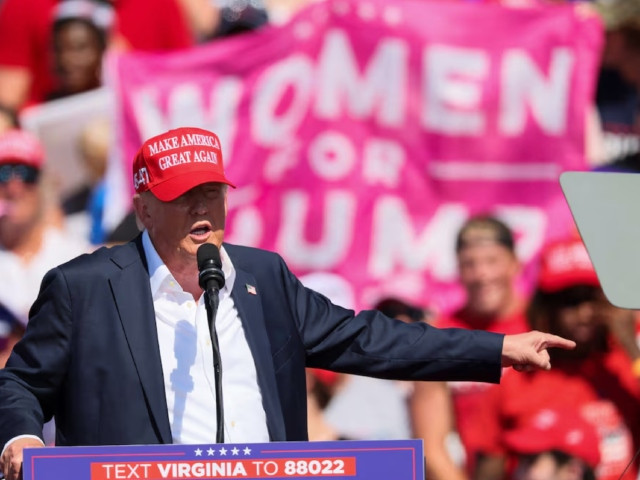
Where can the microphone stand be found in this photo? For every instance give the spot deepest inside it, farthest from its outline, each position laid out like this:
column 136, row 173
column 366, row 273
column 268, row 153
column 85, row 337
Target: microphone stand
column 211, row 303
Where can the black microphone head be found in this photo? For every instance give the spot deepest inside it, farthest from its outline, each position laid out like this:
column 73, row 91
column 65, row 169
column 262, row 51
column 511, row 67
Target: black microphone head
column 207, row 252
column 209, row 267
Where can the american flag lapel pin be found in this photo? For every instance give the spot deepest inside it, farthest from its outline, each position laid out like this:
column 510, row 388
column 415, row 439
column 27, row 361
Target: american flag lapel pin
column 251, row 289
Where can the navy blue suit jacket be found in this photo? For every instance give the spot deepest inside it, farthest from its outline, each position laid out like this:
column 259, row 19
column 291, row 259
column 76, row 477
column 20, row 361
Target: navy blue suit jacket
column 90, row 354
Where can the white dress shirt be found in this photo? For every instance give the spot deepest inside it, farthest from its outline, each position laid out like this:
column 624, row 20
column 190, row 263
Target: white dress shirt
column 20, row 281
column 187, row 360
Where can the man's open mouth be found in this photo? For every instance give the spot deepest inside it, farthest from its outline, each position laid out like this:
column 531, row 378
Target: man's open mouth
column 201, row 230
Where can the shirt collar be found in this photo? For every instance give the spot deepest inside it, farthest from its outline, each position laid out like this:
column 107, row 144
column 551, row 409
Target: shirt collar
column 159, row 272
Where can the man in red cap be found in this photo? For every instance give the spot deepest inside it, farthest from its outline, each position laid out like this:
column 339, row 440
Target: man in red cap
column 555, row 445
column 31, row 240
column 129, row 324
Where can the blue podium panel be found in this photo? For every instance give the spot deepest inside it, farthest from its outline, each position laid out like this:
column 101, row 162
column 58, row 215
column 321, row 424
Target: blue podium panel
column 353, row 460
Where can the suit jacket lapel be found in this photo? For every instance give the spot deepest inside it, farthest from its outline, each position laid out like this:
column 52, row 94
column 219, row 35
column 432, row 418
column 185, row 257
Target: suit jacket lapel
column 250, row 312
column 132, row 294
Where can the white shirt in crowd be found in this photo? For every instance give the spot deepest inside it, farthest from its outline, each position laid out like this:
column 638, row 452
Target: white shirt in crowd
column 20, row 281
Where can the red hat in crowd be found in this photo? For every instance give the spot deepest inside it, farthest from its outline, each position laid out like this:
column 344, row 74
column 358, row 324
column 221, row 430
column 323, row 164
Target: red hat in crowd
column 326, row 377
column 565, row 264
column 566, row 431
column 19, row 146
column 174, row 162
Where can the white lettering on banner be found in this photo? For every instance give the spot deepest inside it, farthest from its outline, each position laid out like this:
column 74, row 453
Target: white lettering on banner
column 337, row 224
column 269, row 125
column 187, row 105
column 383, row 85
column 396, row 244
column 332, row 156
column 222, row 115
column 453, row 78
column 523, row 85
column 281, row 161
column 474, row 171
column 150, row 116
column 383, row 161
column 248, row 227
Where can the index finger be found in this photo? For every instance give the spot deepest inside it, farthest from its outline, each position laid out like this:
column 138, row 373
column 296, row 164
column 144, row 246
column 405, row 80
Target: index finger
column 558, row 342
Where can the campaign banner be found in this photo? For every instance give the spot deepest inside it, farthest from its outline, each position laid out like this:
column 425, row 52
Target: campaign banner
column 353, row 460
column 362, row 134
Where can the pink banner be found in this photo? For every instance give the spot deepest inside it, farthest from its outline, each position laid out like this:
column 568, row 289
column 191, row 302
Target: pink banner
column 363, row 133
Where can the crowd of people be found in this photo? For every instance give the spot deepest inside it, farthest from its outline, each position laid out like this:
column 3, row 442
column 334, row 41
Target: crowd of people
column 579, row 420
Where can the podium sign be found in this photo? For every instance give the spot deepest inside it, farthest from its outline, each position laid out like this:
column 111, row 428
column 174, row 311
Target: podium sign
column 353, row 460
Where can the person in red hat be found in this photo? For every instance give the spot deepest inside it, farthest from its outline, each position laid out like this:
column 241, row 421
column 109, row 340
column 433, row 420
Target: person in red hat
column 595, row 379
column 555, row 445
column 31, row 240
column 130, row 324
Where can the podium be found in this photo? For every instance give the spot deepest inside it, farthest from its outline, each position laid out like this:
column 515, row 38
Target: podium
column 353, row 460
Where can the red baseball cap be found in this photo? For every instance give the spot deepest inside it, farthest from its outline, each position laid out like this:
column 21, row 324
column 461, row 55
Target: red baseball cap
column 563, row 430
column 564, row 264
column 174, row 162
column 19, row 146
column 326, row 377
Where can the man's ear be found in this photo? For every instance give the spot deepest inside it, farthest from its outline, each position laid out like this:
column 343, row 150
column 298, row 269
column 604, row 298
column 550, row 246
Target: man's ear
column 141, row 209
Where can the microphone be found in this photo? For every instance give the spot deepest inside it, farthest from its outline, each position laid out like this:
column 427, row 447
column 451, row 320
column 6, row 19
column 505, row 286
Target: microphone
column 211, row 280
column 210, row 276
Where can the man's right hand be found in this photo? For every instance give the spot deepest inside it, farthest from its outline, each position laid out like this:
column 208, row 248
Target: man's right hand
column 11, row 460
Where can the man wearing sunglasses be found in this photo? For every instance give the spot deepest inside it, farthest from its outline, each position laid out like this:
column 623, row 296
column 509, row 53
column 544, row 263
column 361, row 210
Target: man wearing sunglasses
column 31, row 236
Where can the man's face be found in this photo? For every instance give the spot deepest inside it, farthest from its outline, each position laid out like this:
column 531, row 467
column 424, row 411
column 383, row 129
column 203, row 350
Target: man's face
column 488, row 271
column 581, row 314
column 20, row 203
column 179, row 227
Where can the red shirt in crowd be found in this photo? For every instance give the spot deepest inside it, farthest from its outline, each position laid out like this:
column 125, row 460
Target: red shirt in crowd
column 468, row 397
column 25, row 34
column 600, row 388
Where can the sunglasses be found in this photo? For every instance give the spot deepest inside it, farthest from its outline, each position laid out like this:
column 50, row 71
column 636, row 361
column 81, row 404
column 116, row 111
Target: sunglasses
column 25, row 173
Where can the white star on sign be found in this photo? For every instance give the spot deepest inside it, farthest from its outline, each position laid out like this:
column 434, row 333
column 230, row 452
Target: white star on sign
column 198, row 452
column 247, row 450
column 211, row 452
column 223, row 451
column 234, row 451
